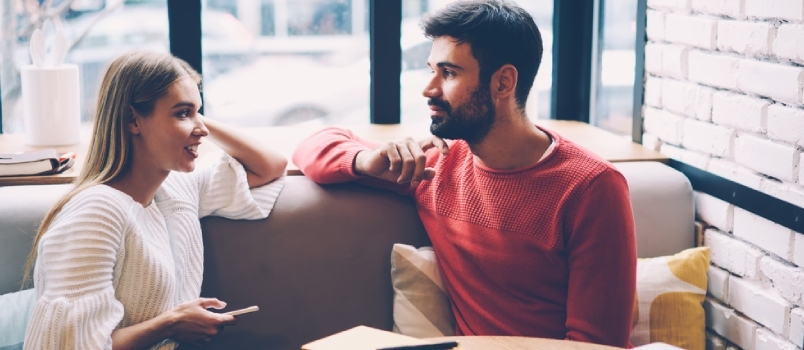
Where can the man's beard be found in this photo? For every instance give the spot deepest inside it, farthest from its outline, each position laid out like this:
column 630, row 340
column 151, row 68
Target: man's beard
column 471, row 121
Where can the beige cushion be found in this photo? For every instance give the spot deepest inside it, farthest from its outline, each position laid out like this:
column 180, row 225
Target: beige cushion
column 421, row 304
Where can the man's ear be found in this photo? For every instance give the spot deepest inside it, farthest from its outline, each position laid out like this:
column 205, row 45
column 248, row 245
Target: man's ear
column 133, row 121
column 504, row 81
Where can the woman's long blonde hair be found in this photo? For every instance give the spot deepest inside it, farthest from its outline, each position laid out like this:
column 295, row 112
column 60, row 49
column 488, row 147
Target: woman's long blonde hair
column 135, row 80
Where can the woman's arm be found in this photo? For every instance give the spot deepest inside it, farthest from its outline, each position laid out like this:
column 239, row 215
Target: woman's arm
column 262, row 163
column 189, row 322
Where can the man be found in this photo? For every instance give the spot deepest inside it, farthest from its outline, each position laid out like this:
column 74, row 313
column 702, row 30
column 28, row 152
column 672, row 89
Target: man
column 534, row 235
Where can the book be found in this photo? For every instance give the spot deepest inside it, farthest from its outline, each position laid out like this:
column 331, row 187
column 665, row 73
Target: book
column 368, row 338
column 43, row 162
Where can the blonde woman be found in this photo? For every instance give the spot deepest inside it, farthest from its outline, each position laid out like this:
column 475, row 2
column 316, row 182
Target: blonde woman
column 118, row 261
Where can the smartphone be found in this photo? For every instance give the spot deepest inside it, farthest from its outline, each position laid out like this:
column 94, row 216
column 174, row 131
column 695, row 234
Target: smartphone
column 243, row 311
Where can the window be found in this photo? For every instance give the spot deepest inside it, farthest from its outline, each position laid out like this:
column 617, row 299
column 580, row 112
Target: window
column 96, row 33
column 614, row 92
column 303, row 61
column 416, row 48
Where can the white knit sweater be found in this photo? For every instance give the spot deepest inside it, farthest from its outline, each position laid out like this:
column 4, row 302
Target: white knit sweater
column 106, row 262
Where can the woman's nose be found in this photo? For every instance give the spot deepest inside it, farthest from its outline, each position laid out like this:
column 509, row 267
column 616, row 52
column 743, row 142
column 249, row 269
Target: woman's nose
column 201, row 128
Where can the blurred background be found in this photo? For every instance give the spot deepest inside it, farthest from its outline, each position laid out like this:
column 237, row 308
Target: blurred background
column 285, row 62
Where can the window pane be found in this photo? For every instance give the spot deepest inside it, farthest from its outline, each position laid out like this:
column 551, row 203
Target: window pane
column 96, row 33
column 615, row 88
column 284, row 62
column 416, row 48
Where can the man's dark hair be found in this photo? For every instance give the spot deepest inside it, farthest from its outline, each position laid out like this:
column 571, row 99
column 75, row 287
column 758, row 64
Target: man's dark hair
column 498, row 32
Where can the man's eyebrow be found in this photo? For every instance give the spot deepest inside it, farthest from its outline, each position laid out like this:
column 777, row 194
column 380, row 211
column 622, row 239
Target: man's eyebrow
column 449, row 65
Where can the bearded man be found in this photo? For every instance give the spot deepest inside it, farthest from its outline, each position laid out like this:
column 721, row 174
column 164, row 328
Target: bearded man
column 534, row 235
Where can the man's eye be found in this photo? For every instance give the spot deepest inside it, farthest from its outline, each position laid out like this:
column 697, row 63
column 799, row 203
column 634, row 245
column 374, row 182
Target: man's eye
column 449, row 73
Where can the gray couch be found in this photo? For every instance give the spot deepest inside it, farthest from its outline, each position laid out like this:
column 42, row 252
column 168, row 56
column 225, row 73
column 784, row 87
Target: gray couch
column 320, row 263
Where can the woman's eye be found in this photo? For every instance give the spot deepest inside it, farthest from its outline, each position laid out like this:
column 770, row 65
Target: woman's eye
column 184, row 113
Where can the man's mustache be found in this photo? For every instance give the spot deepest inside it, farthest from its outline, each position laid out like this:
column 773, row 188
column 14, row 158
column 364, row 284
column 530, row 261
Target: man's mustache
column 440, row 103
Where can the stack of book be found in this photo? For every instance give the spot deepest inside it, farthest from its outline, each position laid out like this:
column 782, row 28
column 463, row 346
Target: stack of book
column 44, row 162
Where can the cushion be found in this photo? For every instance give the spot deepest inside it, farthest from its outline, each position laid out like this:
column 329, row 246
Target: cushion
column 668, row 307
column 670, row 296
column 17, row 310
column 421, row 305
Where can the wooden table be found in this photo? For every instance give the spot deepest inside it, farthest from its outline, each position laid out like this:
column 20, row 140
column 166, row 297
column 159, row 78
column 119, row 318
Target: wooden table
column 612, row 147
column 519, row 343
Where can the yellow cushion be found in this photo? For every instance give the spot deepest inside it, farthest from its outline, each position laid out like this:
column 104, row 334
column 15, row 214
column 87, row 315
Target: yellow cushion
column 670, row 295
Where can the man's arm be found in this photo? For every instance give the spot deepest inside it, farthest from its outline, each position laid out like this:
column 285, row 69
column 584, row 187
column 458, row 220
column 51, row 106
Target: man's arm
column 601, row 247
column 335, row 155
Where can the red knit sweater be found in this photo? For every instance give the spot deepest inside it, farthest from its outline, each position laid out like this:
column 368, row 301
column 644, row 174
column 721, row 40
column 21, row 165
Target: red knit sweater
column 544, row 251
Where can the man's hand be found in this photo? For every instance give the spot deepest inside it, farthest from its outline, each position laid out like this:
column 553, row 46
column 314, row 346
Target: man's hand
column 400, row 161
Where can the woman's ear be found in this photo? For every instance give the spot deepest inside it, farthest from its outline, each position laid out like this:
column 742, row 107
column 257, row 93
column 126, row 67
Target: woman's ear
column 504, row 81
column 133, row 121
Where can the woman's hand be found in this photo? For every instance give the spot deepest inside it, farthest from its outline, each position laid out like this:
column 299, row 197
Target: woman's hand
column 193, row 324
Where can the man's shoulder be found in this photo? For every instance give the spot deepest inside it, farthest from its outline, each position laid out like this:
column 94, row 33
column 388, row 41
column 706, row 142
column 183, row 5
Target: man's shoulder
column 585, row 164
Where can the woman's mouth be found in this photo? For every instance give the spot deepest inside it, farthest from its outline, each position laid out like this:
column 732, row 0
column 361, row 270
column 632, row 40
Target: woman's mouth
column 193, row 150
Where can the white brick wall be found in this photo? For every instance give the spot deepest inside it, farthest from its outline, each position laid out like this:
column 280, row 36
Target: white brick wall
column 707, row 138
column 769, row 341
column 789, row 42
column 691, row 30
column 716, row 70
column 739, row 111
column 787, row 280
column 729, row 8
column 750, row 38
column 786, row 124
column 724, row 321
column 731, row 254
column 714, row 212
column 766, row 156
column 725, row 93
column 775, row 9
column 767, row 235
column 779, row 82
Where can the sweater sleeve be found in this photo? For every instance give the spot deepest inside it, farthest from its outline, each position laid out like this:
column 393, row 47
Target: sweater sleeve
column 601, row 247
column 328, row 157
column 77, row 308
column 224, row 191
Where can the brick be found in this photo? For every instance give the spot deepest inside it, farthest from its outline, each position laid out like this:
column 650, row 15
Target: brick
column 766, row 157
column 765, row 234
column 766, row 340
column 796, row 333
column 739, row 111
column 714, row 211
column 653, row 58
column 669, row 4
column 714, row 342
column 653, row 91
column 786, row 280
column 708, row 138
column 730, row 8
column 671, row 151
column 691, row 30
column 775, row 9
column 786, row 124
column 687, row 99
column 801, row 169
column 654, row 27
column 728, row 324
column 651, row 142
column 734, row 172
column 747, row 38
column 789, row 42
column 787, row 192
column 718, row 283
column 798, row 248
column 713, row 69
column 675, row 60
column 665, row 125
column 759, row 304
column 695, row 159
column 732, row 254
column 777, row 81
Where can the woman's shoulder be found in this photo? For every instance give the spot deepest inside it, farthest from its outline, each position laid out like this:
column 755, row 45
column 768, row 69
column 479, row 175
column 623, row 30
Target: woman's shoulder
column 99, row 200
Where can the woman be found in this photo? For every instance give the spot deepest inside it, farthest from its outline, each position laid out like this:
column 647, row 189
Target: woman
column 119, row 259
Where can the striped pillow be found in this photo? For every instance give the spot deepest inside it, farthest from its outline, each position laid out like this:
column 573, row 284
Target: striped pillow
column 421, row 305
